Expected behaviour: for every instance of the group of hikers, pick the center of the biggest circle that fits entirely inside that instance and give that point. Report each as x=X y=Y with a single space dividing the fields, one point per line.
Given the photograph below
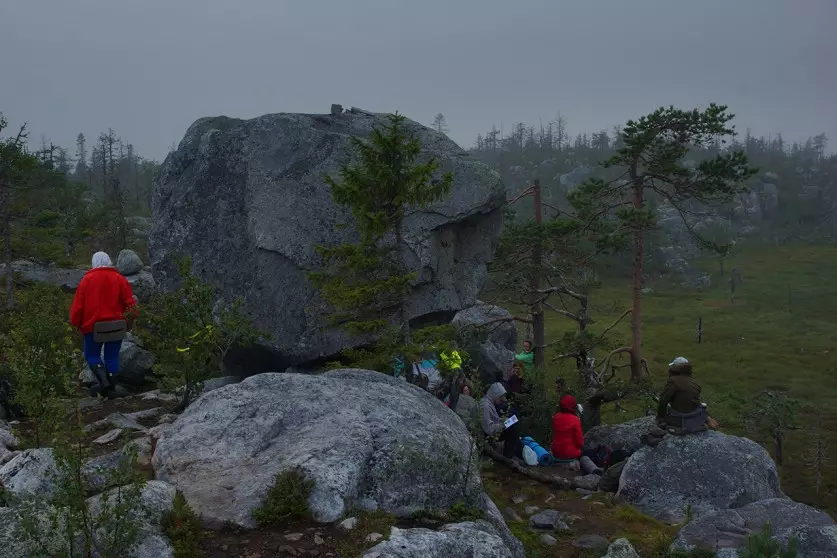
x=679 y=411
x=104 y=309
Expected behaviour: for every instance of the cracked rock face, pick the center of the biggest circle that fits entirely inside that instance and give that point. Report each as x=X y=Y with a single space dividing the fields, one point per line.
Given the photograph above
x=367 y=440
x=247 y=201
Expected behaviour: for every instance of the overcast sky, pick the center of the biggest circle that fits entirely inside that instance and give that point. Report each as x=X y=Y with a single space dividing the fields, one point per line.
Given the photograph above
x=149 y=68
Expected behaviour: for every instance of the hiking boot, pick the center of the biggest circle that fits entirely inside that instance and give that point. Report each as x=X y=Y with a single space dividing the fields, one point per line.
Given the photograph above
x=102 y=381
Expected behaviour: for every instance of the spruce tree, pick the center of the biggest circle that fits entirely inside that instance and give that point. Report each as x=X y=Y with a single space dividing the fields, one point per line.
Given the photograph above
x=367 y=282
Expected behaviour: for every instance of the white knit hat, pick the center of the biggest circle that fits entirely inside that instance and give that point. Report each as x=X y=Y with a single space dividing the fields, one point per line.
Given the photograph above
x=678 y=361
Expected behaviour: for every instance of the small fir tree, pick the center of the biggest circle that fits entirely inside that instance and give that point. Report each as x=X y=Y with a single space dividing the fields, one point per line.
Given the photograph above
x=366 y=281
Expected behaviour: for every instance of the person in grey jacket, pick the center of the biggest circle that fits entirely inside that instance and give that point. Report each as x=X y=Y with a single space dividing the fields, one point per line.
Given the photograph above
x=493 y=423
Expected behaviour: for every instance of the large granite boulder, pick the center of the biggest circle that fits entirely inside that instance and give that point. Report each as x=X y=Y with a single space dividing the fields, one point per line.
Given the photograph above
x=247 y=201
x=31 y=472
x=367 y=440
x=730 y=528
x=703 y=472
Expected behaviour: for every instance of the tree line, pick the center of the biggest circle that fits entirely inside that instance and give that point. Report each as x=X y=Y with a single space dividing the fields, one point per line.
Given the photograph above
x=55 y=208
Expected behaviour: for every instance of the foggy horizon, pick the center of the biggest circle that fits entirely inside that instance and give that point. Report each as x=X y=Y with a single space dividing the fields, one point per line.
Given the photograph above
x=149 y=71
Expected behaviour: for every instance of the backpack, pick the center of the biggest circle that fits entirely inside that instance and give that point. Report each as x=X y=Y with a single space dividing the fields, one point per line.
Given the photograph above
x=603 y=456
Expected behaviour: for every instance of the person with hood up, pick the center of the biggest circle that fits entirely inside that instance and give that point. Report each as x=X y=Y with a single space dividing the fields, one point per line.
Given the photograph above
x=493 y=424
x=103 y=310
x=567 y=439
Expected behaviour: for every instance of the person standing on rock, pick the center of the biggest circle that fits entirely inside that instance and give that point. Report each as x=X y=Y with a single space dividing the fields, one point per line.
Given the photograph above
x=103 y=310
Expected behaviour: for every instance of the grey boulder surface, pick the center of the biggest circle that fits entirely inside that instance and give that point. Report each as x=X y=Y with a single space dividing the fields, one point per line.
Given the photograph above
x=248 y=202
x=621 y=548
x=619 y=437
x=730 y=528
x=471 y=538
x=489 y=335
x=31 y=471
x=156 y=499
x=703 y=472
x=367 y=440
x=128 y=262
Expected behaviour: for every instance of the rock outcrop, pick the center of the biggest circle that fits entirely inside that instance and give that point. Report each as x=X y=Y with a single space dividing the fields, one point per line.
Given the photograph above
x=619 y=437
x=247 y=200
x=490 y=337
x=730 y=528
x=367 y=440
x=704 y=472
x=156 y=499
x=472 y=538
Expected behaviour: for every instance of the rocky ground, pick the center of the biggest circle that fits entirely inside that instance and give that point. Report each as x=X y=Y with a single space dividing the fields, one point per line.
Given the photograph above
x=224 y=450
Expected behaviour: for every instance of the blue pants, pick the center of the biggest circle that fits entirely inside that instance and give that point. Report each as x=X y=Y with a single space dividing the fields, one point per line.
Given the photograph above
x=93 y=354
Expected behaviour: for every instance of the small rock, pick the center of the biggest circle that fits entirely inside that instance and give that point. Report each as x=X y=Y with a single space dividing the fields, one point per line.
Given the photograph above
x=511 y=515
x=519 y=499
x=293 y=537
x=128 y=262
x=287 y=550
x=591 y=542
x=374 y=537
x=548 y=520
x=157 y=395
x=120 y=420
x=548 y=540
x=318 y=540
x=621 y=548
x=348 y=524
x=531 y=510
x=145 y=414
x=167 y=418
x=111 y=436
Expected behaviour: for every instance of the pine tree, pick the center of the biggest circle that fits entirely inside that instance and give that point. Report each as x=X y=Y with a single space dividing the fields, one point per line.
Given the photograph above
x=650 y=160
x=440 y=124
x=366 y=281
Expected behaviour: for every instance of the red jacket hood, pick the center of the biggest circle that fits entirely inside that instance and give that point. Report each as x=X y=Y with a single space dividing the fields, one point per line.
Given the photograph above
x=567 y=404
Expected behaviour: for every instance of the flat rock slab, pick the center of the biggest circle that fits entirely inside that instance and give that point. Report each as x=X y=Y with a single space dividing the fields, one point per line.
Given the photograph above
x=367 y=440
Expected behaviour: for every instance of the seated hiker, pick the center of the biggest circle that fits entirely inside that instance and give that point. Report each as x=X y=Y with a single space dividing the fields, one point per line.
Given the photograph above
x=680 y=408
x=567 y=438
x=493 y=423
x=515 y=381
x=466 y=407
x=103 y=310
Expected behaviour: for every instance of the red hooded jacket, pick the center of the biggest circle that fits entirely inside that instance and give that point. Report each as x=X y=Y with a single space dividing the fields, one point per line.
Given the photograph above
x=103 y=295
x=567 y=439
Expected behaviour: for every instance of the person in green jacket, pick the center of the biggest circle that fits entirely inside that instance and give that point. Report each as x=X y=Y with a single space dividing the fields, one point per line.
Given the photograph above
x=527 y=357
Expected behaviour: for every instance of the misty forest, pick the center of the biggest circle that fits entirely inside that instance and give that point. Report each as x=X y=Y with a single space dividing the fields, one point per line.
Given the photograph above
x=340 y=333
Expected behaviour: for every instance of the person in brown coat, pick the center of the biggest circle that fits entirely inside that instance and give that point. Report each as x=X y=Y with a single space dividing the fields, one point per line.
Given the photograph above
x=681 y=396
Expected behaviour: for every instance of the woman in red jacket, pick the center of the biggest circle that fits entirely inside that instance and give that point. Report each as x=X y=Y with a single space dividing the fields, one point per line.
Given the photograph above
x=103 y=295
x=567 y=439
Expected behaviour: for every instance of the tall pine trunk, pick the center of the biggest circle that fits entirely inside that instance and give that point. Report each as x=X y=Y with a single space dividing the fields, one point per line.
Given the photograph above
x=636 y=312
x=404 y=322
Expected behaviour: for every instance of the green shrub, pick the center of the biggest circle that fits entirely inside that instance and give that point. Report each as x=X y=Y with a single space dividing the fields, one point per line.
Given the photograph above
x=287 y=500
x=183 y=527
x=762 y=545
